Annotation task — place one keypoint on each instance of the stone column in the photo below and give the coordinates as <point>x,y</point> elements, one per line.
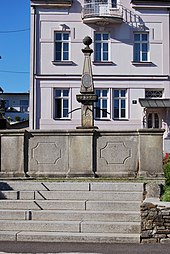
<point>87,96</point>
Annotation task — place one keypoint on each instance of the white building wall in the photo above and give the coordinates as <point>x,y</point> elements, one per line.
<point>122,73</point>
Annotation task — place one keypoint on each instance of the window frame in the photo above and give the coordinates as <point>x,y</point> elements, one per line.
<point>113,5</point>
<point>62,42</point>
<point>62,98</point>
<point>138,57</point>
<point>153,120</point>
<point>102,51</point>
<point>101,107</point>
<point>120,98</point>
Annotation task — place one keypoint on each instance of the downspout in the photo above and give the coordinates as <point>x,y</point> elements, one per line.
<point>34,70</point>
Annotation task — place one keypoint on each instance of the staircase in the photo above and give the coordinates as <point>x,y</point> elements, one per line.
<point>70,211</point>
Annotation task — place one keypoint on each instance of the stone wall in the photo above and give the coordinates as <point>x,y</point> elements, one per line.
<point>155,219</point>
<point>81,153</point>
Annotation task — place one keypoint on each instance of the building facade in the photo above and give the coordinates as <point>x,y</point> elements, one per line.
<point>16,106</point>
<point>130,62</point>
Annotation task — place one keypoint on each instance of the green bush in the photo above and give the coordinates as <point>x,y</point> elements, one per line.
<point>17,118</point>
<point>166,195</point>
<point>167,173</point>
<point>166,168</point>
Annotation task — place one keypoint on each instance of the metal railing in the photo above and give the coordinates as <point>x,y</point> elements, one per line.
<point>101,9</point>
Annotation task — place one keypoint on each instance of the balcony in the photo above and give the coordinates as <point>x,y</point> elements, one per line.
<point>102,12</point>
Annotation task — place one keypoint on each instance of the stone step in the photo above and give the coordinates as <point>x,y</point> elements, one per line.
<point>71,195</point>
<point>70,211</point>
<point>117,187</point>
<point>86,215</point>
<point>88,195</point>
<point>71,186</point>
<point>70,215</point>
<point>113,205</point>
<point>70,205</point>
<point>68,237</point>
<point>42,205</point>
<point>111,227</point>
<point>44,226</point>
<point>71,226</point>
<point>18,205</point>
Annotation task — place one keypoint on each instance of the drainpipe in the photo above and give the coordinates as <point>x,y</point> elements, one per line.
<point>34,70</point>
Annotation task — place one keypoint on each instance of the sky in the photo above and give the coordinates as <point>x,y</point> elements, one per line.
<point>15,45</point>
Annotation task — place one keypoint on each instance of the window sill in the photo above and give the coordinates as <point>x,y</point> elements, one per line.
<point>120,119</point>
<point>142,63</point>
<point>62,119</point>
<point>99,119</point>
<point>62,62</point>
<point>103,63</point>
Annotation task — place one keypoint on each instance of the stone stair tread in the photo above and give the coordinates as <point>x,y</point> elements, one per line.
<point>78,237</point>
<point>70,211</point>
<point>46,226</point>
<point>71,186</point>
<point>71,226</point>
<point>69,215</point>
<point>88,195</point>
<point>117,186</point>
<point>35,236</point>
<point>18,204</point>
<point>42,204</point>
<point>70,195</point>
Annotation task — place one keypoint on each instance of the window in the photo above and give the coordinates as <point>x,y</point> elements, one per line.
<point>119,104</point>
<point>61,103</point>
<point>153,93</point>
<point>114,3</point>
<point>101,106</point>
<point>141,47</point>
<point>24,105</point>
<point>101,47</point>
<point>61,46</point>
<point>153,120</point>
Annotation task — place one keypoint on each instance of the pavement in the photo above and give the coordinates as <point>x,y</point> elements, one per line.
<point>84,248</point>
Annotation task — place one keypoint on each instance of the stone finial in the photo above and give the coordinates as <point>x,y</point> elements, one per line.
<point>87,40</point>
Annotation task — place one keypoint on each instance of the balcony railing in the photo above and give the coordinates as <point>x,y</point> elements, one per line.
<point>102,10</point>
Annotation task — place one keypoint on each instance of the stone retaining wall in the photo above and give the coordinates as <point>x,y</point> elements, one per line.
<point>155,219</point>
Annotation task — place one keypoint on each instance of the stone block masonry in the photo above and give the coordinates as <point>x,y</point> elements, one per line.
<point>81,153</point>
<point>155,217</point>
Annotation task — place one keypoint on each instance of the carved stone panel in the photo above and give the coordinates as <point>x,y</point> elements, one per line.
<point>46,153</point>
<point>117,155</point>
<point>115,152</point>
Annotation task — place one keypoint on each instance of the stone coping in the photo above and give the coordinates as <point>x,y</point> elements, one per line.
<point>157,202</point>
<point>115,132</point>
